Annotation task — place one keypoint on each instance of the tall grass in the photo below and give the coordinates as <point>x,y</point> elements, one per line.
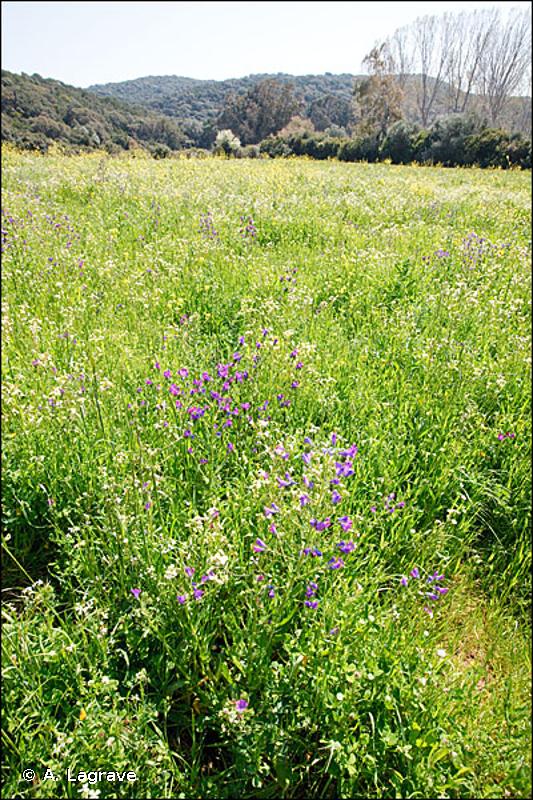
<point>266,478</point>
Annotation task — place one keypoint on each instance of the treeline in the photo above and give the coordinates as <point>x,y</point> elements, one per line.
<point>198,104</point>
<point>38,112</point>
<point>440,90</point>
<point>467,61</point>
<point>451,141</point>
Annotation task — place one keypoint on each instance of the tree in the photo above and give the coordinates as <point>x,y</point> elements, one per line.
<point>505,63</point>
<point>467,38</point>
<point>226,142</point>
<point>330,110</point>
<point>378,98</point>
<point>297,126</point>
<point>464,62</point>
<point>262,110</point>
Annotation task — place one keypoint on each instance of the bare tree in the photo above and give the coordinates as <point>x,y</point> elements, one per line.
<point>505,62</point>
<point>468,36</point>
<point>400,49</point>
<point>430,41</point>
<point>461,62</point>
<point>420,51</point>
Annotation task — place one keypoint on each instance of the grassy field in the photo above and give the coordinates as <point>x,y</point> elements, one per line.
<point>266,479</point>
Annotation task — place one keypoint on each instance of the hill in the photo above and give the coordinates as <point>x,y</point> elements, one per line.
<point>39,111</point>
<point>169,113</point>
<point>191,99</point>
<point>197,103</point>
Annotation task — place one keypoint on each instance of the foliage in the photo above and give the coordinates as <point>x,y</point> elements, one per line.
<point>266,478</point>
<point>326,99</point>
<point>331,111</point>
<point>447,140</point>
<point>495,148</point>
<point>379,97</point>
<point>37,112</point>
<point>263,110</point>
<point>399,143</point>
<point>226,142</point>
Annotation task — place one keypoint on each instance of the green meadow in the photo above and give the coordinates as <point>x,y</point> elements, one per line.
<point>266,479</point>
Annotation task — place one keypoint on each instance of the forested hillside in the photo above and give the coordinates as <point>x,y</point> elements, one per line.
<point>199,102</point>
<point>37,112</point>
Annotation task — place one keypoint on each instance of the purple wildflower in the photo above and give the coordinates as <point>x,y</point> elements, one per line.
<point>272,509</point>
<point>136,593</point>
<point>320,526</point>
<point>344,470</point>
<point>350,452</point>
<point>346,547</point>
<point>283,483</point>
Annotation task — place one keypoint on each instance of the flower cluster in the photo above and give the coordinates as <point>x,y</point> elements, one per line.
<point>248,229</point>
<point>434,591</point>
<point>207,227</point>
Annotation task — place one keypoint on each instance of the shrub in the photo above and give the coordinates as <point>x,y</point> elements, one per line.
<point>488,148</point>
<point>362,148</point>
<point>227,143</point>
<point>519,151</point>
<point>321,147</point>
<point>398,144</point>
<point>275,147</point>
<point>447,141</point>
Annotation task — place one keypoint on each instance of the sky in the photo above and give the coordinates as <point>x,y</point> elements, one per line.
<point>83,43</point>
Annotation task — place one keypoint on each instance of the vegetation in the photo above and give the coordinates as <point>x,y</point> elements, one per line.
<point>198,103</point>
<point>452,141</point>
<point>327,100</point>
<point>38,112</point>
<point>265,109</point>
<point>266,478</point>
<point>473,62</point>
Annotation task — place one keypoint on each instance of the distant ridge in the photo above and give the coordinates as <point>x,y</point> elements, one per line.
<point>195,102</point>
<point>37,112</point>
<point>168,113</point>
